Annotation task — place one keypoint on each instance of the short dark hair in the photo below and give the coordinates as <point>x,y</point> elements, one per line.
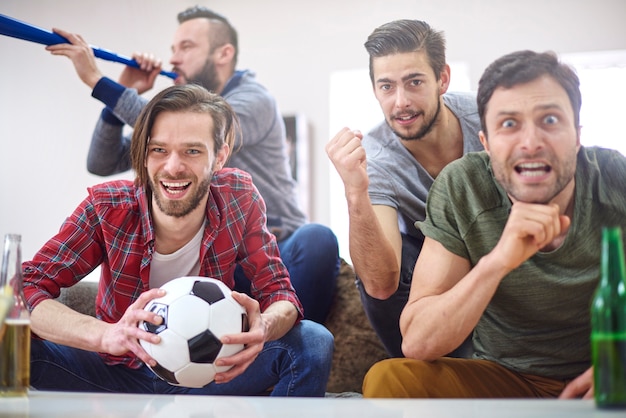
<point>523,67</point>
<point>222,32</point>
<point>183,98</point>
<point>401,36</point>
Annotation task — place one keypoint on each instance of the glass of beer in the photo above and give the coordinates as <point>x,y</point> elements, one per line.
<point>15,343</point>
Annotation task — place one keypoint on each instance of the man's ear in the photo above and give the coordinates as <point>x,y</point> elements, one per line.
<point>225,54</point>
<point>444,79</point>
<point>222,157</point>
<point>483,140</point>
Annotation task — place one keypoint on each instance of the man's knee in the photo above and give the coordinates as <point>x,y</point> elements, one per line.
<point>398,378</point>
<point>310,340</point>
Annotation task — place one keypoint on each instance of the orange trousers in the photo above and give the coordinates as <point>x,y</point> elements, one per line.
<point>454,378</point>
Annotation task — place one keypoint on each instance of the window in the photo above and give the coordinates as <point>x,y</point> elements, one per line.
<point>603,87</point>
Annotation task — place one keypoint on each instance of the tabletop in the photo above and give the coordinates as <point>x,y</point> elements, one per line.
<point>69,405</point>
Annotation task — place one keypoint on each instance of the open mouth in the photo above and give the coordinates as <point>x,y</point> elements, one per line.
<point>175,187</point>
<point>406,119</point>
<point>533,169</point>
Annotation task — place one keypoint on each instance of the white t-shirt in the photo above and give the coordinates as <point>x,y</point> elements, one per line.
<point>184,262</point>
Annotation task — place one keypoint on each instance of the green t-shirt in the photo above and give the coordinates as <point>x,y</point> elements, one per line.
<point>538,320</point>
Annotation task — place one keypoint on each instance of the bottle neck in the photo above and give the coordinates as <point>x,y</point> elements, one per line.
<point>612,267</point>
<point>11,274</point>
<point>11,279</point>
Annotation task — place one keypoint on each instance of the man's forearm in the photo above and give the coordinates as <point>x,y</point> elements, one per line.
<point>109,151</point>
<point>375,261</point>
<point>53,321</point>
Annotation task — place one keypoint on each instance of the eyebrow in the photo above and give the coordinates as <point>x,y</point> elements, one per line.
<point>183,42</point>
<point>549,106</point>
<point>193,144</point>
<point>405,78</point>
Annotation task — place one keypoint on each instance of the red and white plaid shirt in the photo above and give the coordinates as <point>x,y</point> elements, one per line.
<point>112,228</point>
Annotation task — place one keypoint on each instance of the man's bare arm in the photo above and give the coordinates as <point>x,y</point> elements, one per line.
<point>375,248</point>
<point>56,322</point>
<point>448,297</point>
<point>375,241</point>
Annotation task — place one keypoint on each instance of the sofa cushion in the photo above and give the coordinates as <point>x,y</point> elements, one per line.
<point>357,347</point>
<point>81,297</point>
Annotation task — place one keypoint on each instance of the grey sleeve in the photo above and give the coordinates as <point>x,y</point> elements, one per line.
<point>109,151</point>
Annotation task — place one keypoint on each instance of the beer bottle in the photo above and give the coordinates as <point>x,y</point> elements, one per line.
<point>15,343</point>
<point>608,324</point>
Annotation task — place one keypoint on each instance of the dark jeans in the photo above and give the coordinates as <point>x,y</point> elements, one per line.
<point>311,255</point>
<point>298,364</point>
<point>384,315</point>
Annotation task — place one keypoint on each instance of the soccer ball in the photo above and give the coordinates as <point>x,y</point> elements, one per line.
<point>197,312</point>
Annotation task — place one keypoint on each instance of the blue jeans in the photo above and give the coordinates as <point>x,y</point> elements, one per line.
<point>384,315</point>
<point>298,364</point>
<point>311,255</point>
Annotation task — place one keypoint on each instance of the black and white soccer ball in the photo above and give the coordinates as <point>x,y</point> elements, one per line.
<point>197,312</point>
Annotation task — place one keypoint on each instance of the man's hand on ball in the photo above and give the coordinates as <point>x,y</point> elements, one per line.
<point>253,340</point>
<point>124,336</point>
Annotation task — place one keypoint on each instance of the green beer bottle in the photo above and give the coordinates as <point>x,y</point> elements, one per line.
<point>608,324</point>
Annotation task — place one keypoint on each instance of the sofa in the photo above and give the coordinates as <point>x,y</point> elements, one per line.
<point>356,344</point>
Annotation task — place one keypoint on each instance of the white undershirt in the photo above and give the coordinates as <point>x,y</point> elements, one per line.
<point>183,262</point>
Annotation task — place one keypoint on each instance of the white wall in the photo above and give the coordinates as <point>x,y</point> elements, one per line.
<point>47,114</point>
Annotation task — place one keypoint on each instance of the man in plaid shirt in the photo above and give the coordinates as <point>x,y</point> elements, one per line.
<point>184,215</point>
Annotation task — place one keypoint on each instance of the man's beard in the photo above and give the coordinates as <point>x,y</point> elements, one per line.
<point>179,208</point>
<point>206,77</point>
<point>424,130</point>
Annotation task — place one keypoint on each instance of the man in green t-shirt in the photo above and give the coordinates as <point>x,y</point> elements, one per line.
<point>512,248</point>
